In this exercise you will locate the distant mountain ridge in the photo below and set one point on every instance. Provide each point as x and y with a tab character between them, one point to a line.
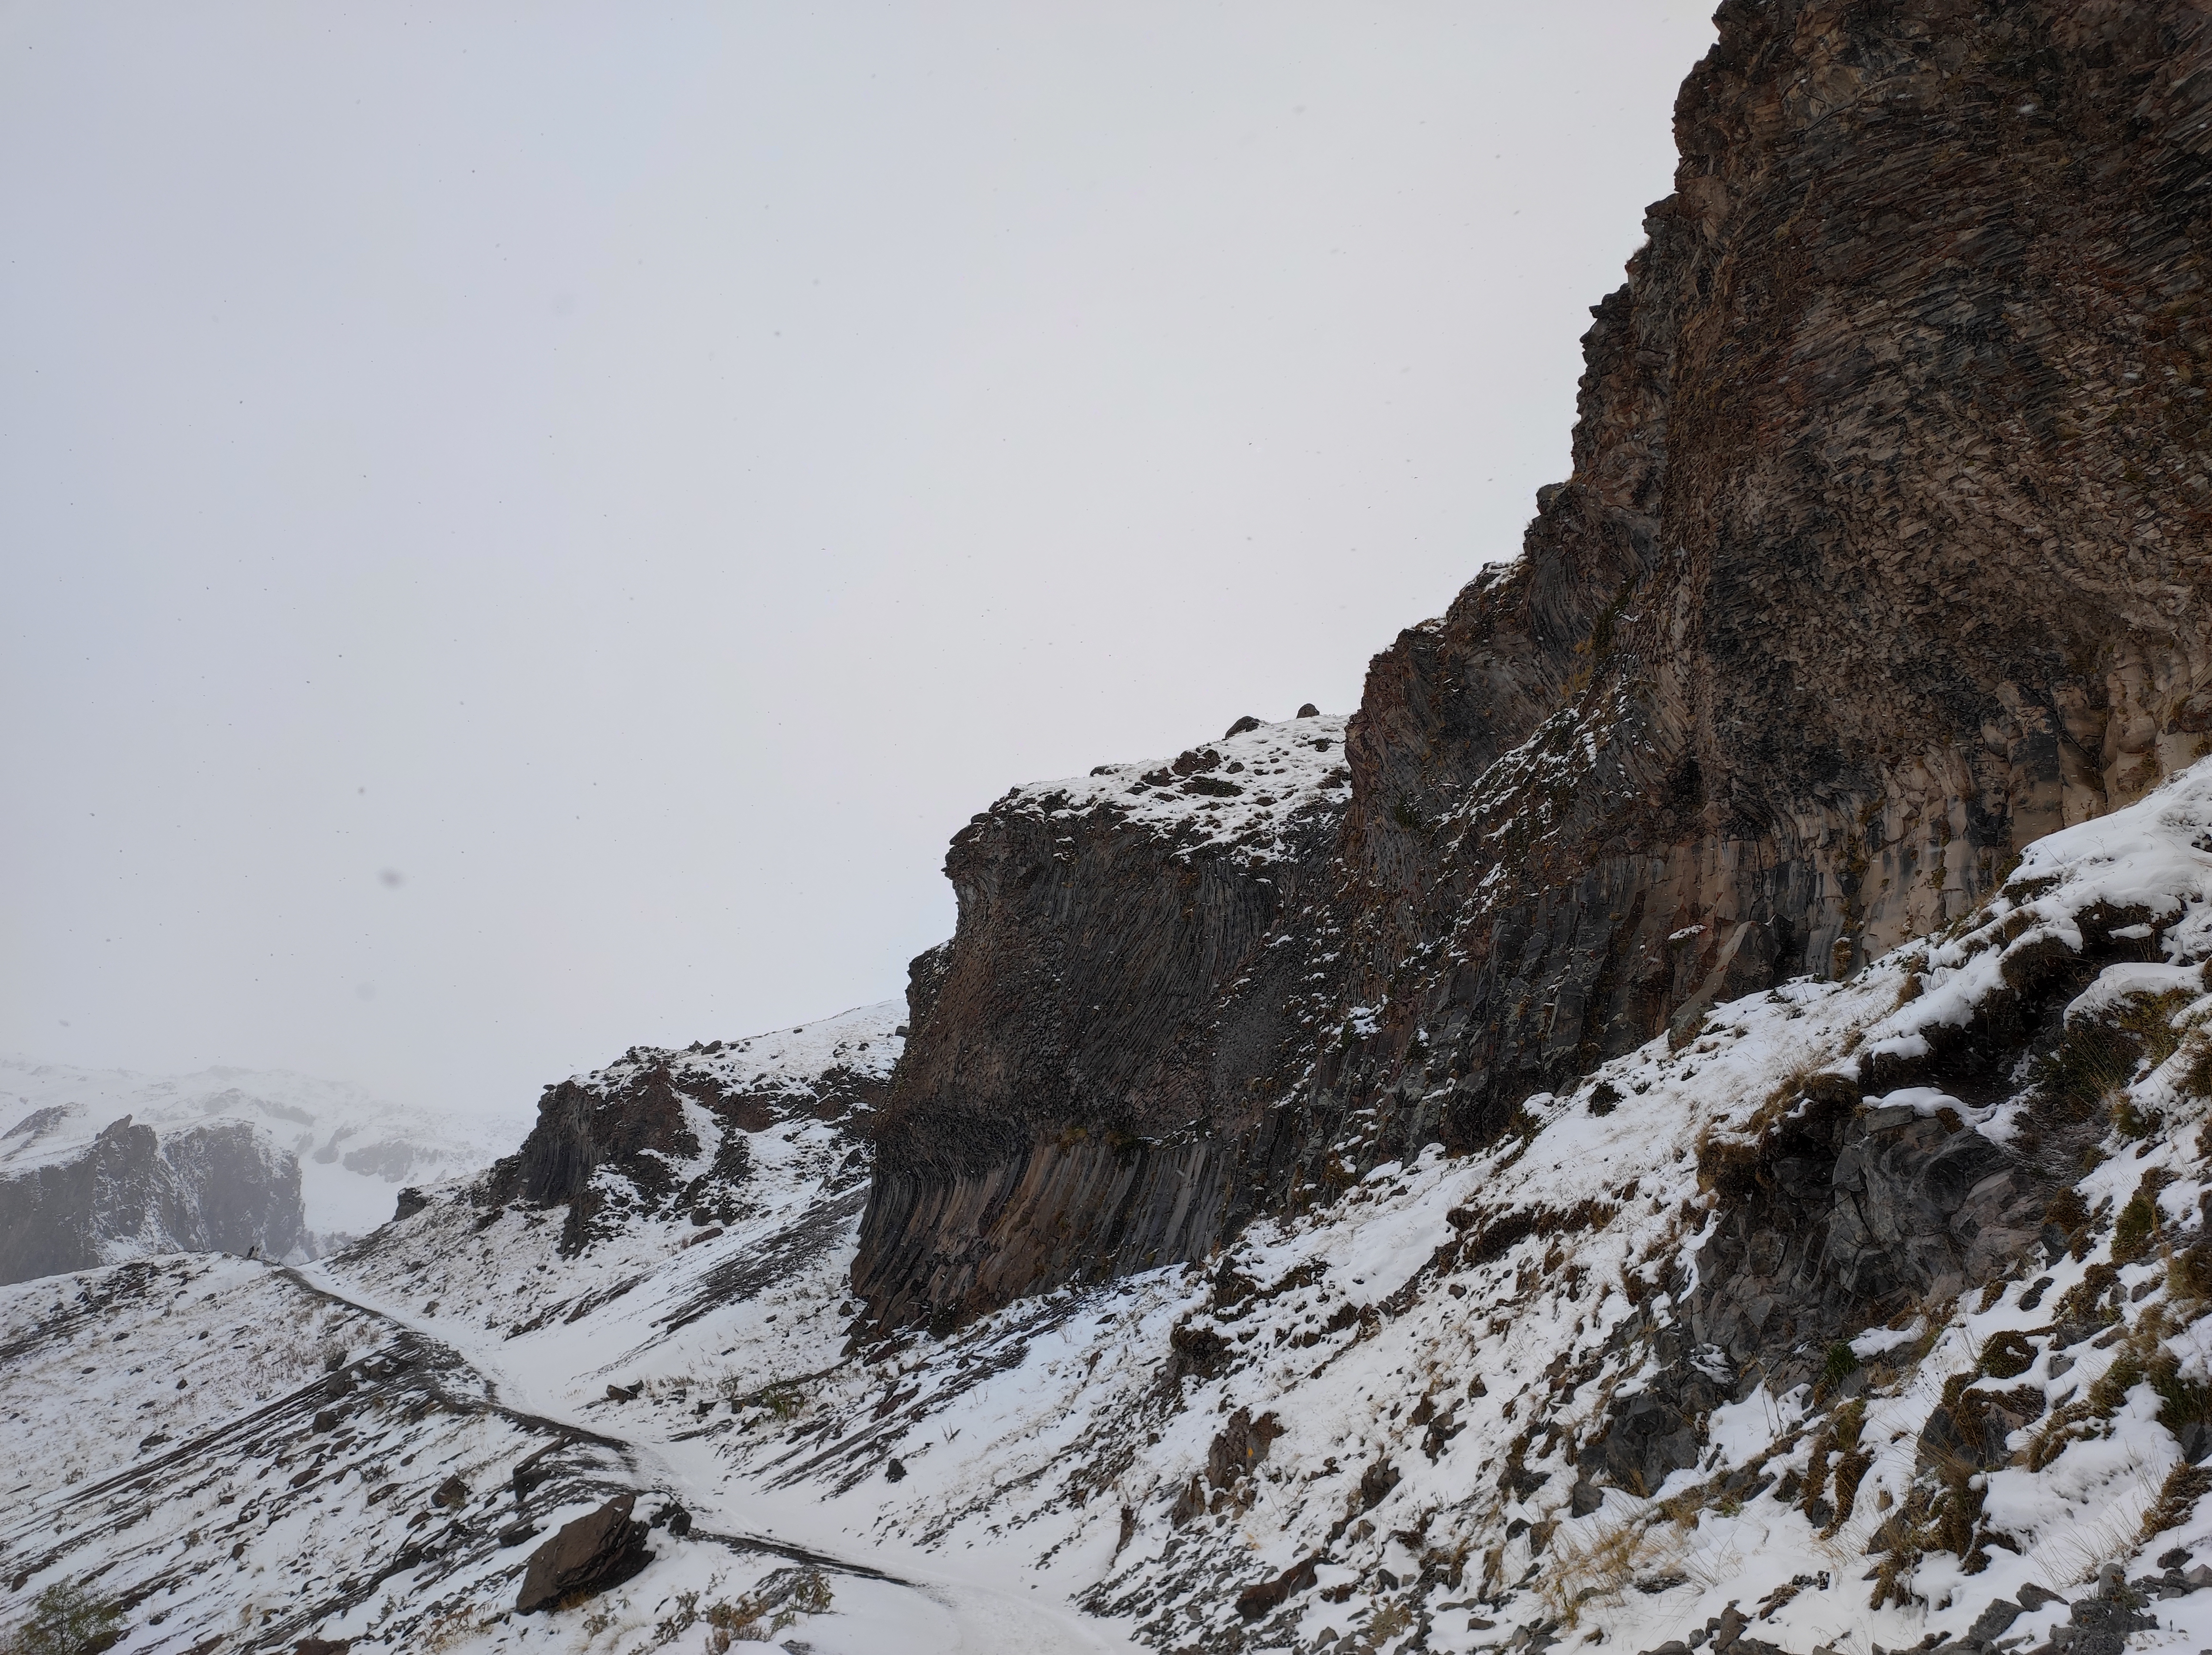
101	1165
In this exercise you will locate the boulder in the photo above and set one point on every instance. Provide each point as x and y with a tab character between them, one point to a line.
587	1557
1257	1601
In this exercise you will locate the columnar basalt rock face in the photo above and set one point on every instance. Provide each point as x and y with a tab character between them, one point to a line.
1886	553
1887	550
1076	1096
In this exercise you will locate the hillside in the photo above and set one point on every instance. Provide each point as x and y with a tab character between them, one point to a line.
1786	1314
1681	1124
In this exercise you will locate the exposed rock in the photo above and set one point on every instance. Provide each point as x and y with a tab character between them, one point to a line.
1257	1602
1883	555
219	1188
626	1139
1240	1446
585	1558
1040	1129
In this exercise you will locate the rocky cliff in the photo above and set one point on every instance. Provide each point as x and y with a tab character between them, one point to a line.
1078	1084
352	1148
1872	1314
1883	555
129	1192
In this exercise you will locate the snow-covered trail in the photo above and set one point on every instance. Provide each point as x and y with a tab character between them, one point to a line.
910	1603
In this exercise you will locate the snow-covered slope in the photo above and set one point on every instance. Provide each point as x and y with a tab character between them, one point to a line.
355	1151
1860	1314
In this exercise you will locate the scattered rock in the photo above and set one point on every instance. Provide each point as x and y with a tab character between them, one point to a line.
1993	1621
1376	1484
452	1494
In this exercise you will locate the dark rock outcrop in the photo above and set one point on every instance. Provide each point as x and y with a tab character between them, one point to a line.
586	1557
1888	549
1846	1212
1077	1095
1257	1602
223	1187
618	1142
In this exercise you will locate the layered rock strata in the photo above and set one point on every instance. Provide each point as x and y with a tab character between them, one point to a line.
1886	552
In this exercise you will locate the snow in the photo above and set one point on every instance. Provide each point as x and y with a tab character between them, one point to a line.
1246	790
1446	1321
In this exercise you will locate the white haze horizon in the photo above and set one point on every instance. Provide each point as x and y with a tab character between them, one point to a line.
528	528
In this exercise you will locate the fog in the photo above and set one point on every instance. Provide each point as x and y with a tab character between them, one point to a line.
524	530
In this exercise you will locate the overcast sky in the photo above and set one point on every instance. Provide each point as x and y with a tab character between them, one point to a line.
523	530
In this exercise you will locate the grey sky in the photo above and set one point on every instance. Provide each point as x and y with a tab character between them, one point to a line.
641	476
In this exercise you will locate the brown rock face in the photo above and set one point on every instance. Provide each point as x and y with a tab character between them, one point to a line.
1888	549
587	1557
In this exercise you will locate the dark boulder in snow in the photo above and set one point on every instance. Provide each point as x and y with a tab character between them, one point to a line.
585	1558
1257	1601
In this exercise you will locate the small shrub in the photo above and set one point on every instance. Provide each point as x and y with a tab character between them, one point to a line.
776	1603
810	1595
1842	1362
783	1399
2008	1355
2089	1071
2197	1074
67	1620
2183	1487
2137	1226
2181	1402
2126	1372
2133	1231
2084	1301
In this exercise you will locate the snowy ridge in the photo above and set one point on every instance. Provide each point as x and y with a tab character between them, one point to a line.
1245	790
